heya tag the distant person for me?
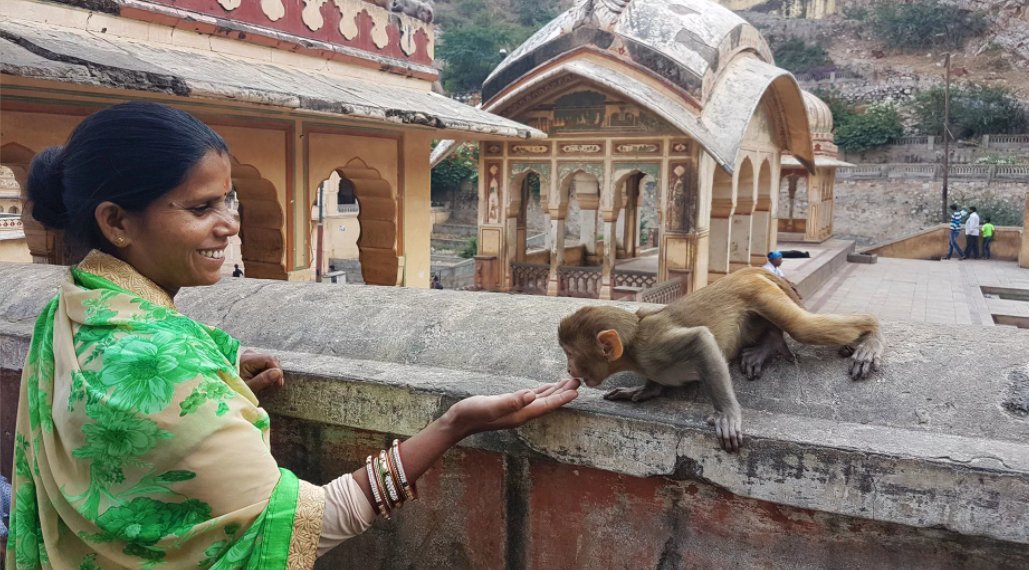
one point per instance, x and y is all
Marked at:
(774, 261)
(237, 272)
(955, 227)
(987, 230)
(972, 234)
(436, 283)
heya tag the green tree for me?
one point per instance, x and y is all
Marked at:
(461, 165)
(925, 24)
(878, 125)
(975, 110)
(470, 53)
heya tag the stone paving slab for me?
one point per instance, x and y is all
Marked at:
(940, 292)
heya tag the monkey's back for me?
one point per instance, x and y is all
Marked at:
(728, 307)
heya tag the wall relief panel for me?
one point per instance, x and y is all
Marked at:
(681, 203)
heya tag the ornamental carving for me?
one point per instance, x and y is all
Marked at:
(681, 198)
(355, 26)
(493, 149)
(638, 148)
(523, 149)
(492, 192)
(679, 147)
(581, 149)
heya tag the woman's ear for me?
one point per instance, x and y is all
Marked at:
(114, 224)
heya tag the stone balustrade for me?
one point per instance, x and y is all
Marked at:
(926, 464)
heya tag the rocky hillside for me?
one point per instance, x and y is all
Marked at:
(863, 68)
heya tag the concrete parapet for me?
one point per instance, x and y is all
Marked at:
(925, 464)
(932, 243)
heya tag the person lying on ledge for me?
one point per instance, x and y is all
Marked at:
(139, 438)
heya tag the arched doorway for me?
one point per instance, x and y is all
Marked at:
(763, 222)
(722, 206)
(363, 196)
(262, 242)
(336, 245)
(742, 216)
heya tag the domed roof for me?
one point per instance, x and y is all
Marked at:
(819, 116)
(686, 42)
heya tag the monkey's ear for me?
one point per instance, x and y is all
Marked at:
(611, 344)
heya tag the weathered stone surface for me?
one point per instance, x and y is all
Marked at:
(925, 443)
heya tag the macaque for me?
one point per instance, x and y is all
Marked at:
(420, 9)
(743, 315)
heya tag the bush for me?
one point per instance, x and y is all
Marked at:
(878, 125)
(1001, 211)
(975, 110)
(799, 58)
(925, 24)
(471, 249)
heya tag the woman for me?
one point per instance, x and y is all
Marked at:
(139, 440)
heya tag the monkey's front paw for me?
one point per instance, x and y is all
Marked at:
(636, 394)
(728, 429)
(867, 357)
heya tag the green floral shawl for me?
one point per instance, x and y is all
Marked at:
(139, 446)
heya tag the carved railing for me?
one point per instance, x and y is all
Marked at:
(641, 279)
(664, 292)
(529, 278)
(934, 171)
(581, 282)
(10, 222)
(1012, 171)
(1008, 139)
(915, 139)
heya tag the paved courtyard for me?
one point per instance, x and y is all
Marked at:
(924, 291)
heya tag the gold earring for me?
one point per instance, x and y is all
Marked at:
(119, 241)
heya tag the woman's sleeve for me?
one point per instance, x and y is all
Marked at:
(347, 513)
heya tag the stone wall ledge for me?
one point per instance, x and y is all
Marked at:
(922, 444)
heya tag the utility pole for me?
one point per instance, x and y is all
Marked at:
(946, 135)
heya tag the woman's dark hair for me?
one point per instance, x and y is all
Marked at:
(130, 154)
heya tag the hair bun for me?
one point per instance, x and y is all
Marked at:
(46, 189)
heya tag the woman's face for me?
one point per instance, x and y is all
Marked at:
(179, 240)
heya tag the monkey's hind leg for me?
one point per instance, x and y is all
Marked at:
(858, 331)
(770, 345)
(638, 393)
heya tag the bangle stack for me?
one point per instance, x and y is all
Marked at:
(389, 483)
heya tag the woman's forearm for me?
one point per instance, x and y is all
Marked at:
(420, 452)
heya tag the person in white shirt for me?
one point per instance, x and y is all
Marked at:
(972, 234)
(774, 261)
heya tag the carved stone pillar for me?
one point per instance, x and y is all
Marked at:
(557, 253)
(719, 237)
(608, 263)
(761, 230)
(742, 226)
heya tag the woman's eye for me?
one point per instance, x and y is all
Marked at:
(201, 209)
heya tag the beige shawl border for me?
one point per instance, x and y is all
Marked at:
(307, 527)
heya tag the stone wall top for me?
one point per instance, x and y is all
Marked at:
(937, 439)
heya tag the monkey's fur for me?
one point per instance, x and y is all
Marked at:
(741, 315)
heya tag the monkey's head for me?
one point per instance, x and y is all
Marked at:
(594, 341)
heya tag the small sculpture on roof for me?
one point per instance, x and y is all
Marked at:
(599, 13)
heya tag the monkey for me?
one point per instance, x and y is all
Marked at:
(743, 314)
(420, 9)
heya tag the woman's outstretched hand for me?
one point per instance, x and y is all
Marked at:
(486, 413)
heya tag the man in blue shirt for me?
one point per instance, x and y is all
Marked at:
(955, 229)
